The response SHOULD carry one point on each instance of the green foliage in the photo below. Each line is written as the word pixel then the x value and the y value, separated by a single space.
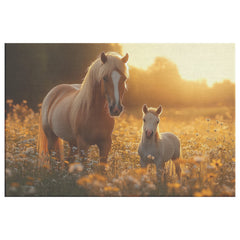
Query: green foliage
pixel 33 69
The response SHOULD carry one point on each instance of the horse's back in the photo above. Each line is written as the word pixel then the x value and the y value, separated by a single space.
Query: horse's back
pixel 170 136
pixel 58 93
pixel 55 109
pixel 170 144
pixel 76 86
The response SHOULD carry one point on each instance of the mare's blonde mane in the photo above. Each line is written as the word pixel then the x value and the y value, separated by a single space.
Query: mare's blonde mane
pixel 91 83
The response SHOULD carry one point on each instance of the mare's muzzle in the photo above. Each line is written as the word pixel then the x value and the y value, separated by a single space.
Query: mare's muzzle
pixel 115 109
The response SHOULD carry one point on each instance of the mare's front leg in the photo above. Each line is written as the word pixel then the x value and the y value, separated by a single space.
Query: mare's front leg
pixel 104 148
pixel 72 152
pixel 82 149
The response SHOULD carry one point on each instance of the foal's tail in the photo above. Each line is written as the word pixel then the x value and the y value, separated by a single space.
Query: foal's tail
pixel 43 145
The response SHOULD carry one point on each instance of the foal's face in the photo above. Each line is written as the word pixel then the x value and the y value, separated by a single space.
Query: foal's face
pixel 114 86
pixel 150 123
pixel 150 120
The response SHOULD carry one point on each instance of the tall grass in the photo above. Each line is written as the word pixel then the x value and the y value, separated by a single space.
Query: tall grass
pixel 208 158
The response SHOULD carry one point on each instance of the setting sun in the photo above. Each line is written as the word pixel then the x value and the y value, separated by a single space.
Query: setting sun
pixel 213 62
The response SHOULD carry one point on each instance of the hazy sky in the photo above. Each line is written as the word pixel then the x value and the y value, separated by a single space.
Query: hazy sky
pixel 213 62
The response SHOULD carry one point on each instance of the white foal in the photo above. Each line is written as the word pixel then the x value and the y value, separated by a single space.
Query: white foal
pixel 155 147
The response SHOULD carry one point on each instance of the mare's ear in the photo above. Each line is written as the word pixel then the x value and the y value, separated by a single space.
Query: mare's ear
pixel 125 58
pixel 145 108
pixel 103 57
pixel 159 110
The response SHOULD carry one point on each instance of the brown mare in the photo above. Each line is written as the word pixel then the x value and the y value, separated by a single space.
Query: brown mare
pixel 82 114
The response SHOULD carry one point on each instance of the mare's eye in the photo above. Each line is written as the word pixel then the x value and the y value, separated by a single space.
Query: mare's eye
pixel 105 78
pixel 158 121
pixel 144 119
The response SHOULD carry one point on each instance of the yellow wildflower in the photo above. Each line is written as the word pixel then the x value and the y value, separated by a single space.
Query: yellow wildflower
pixel 174 185
pixel 29 183
pixel 216 163
pixel 204 193
pixel 83 181
pixel 111 189
pixel 140 171
pixel 9 101
pixel 46 166
pixel 30 178
pixel 15 184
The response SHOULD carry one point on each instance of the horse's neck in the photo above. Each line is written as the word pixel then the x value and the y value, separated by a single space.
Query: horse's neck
pixel 96 104
pixel 99 104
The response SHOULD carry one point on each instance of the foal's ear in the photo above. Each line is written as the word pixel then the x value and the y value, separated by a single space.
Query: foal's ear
pixel 145 108
pixel 159 110
pixel 125 58
pixel 103 57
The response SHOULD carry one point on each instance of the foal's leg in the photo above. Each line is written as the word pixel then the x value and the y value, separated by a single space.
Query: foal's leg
pixel 160 165
pixel 104 148
pixel 143 162
pixel 178 168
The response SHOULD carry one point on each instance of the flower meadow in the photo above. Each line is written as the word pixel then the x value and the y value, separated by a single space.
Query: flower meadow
pixel 208 158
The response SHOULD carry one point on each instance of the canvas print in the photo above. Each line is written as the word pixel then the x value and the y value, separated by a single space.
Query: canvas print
pixel 120 120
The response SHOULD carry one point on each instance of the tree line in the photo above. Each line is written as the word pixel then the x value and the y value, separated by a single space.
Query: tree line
pixel 31 70
pixel 162 83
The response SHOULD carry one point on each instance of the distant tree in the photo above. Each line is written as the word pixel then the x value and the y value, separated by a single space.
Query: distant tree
pixel 33 69
pixel 223 93
pixel 161 83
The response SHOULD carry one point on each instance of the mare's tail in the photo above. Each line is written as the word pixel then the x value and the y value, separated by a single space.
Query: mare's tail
pixel 59 148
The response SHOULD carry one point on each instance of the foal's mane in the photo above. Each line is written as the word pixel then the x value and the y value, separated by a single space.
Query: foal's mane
pixel 153 111
pixel 91 83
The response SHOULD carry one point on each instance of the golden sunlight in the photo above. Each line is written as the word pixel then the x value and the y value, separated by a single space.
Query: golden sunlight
pixel 213 62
